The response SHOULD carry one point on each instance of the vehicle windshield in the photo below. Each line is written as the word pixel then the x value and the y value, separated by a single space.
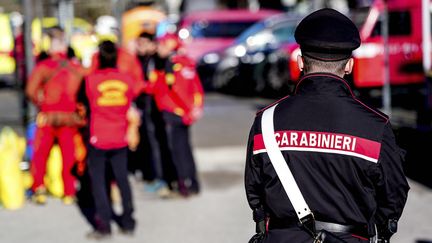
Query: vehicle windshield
pixel 258 35
pixel 249 32
pixel 215 29
pixel 399 24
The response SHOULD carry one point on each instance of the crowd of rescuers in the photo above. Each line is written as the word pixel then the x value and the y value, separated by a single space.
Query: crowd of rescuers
pixel 130 113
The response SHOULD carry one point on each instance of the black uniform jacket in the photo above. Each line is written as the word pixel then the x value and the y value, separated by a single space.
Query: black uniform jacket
pixel 341 152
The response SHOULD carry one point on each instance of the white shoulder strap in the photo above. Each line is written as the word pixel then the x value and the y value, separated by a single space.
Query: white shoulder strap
pixel 280 165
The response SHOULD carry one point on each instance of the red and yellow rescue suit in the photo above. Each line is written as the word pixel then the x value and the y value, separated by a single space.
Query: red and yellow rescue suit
pixel 179 96
pixel 53 87
pixel 178 91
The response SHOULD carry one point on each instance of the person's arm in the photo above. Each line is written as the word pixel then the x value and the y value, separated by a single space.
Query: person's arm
pixel 81 95
pixel 139 88
pixel 134 121
pixel 83 105
pixel 196 109
pixel 392 186
pixel 253 184
pixel 33 86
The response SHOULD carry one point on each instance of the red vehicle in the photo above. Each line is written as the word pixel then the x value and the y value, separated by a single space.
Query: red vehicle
pixel 207 31
pixel 405 45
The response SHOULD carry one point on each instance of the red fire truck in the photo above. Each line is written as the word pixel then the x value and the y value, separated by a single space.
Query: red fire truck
pixel 404 45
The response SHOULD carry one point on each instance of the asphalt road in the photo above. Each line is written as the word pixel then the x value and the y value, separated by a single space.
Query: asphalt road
pixel 219 214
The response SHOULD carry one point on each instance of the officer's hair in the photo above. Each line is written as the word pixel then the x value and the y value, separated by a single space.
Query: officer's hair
pixel 107 55
pixel 55 32
pixel 147 35
pixel 315 65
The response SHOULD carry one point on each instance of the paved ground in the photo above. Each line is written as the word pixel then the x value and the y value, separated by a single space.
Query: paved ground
pixel 219 214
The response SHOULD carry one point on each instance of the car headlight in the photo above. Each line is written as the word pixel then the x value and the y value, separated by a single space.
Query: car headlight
pixel 237 50
pixel 240 50
pixel 228 62
pixel 184 34
pixel 211 58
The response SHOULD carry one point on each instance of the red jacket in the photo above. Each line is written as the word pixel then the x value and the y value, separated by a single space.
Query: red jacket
pixel 179 90
pixel 126 63
pixel 110 94
pixel 54 83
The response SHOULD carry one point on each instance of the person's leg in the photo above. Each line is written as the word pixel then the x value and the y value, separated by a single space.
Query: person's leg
pixel 179 147
pixel 85 200
pixel 186 156
pixel 118 161
pixel 43 142
pixel 153 120
pixel 174 133
pixel 162 128
pixel 66 142
pixel 96 168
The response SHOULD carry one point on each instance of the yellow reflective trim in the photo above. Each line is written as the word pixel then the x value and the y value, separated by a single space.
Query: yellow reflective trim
pixel 198 99
pixel 177 67
pixel 111 101
pixel 169 78
pixel 152 76
pixel 113 93
pixel 179 111
pixel 112 84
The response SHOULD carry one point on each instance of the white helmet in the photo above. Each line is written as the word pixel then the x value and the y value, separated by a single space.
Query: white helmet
pixel 106 25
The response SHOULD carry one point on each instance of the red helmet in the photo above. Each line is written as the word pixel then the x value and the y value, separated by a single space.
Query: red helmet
pixel 171 40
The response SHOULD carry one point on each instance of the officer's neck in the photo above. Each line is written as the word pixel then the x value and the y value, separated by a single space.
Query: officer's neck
pixel 321 71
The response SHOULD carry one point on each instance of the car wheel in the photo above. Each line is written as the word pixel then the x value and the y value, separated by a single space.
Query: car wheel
pixel 222 78
pixel 277 75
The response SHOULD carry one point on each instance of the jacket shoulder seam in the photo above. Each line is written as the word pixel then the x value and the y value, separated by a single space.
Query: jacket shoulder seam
pixel 272 104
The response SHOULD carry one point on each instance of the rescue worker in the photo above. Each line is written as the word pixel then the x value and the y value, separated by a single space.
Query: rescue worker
pixel 110 93
pixel 52 87
pixel 145 51
pixel 342 153
pixel 147 158
pixel 126 63
pixel 179 96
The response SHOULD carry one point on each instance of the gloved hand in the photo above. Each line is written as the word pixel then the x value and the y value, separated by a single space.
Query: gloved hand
pixel 383 240
pixel 260 228
pixel 386 231
pixel 260 232
pixel 257 238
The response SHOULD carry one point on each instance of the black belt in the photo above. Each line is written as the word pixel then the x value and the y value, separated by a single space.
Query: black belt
pixel 362 231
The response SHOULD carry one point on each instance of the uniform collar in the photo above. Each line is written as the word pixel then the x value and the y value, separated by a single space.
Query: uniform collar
pixel 323 83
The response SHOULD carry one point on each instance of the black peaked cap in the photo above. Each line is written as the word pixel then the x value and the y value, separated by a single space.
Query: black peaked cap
pixel 327 33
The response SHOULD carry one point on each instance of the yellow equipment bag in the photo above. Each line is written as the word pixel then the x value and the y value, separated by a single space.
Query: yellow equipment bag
pixel 53 179
pixel 12 189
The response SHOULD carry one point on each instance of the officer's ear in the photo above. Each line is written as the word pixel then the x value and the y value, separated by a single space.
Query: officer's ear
pixel 349 66
pixel 300 63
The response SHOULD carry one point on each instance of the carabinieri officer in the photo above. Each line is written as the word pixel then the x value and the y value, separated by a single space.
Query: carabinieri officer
pixel 342 153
